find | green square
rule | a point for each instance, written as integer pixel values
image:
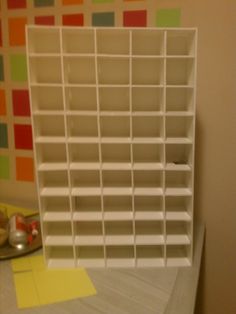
(103, 19)
(4, 167)
(18, 68)
(168, 18)
(43, 3)
(1, 69)
(3, 136)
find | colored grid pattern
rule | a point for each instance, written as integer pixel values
(15, 127)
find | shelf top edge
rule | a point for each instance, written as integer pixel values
(161, 29)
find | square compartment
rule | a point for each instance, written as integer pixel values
(39, 70)
(58, 233)
(150, 255)
(54, 179)
(83, 126)
(119, 233)
(117, 208)
(59, 256)
(115, 153)
(116, 178)
(148, 178)
(147, 71)
(51, 154)
(114, 99)
(87, 205)
(49, 125)
(178, 179)
(81, 98)
(148, 154)
(44, 40)
(83, 152)
(79, 70)
(90, 256)
(78, 41)
(120, 256)
(147, 99)
(47, 98)
(179, 99)
(88, 228)
(181, 43)
(148, 42)
(179, 156)
(179, 127)
(147, 126)
(180, 71)
(179, 208)
(115, 126)
(85, 178)
(113, 41)
(148, 207)
(178, 255)
(149, 232)
(55, 208)
(113, 70)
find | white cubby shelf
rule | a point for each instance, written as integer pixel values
(113, 116)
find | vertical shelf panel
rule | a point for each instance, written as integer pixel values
(113, 124)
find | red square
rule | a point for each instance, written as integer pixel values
(16, 4)
(23, 136)
(135, 18)
(44, 20)
(21, 104)
(73, 19)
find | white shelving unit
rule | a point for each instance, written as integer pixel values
(113, 115)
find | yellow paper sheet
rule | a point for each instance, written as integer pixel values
(26, 293)
(11, 209)
(36, 285)
(28, 263)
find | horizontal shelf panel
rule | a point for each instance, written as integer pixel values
(148, 191)
(116, 166)
(179, 113)
(174, 166)
(118, 215)
(148, 166)
(177, 239)
(89, 240)
(178, 140)
(150, 262)
(178, 262)
(48, 112)
(119, 240)
(84, 191)
(57, 216)
(62, 240)
(149, 239)
(50, 139)
(88, 216)
(147, 113)
(181, 216)
(57, 191)
(61, 262)
(178, 191)
(76, 139)
(84, 166)
(149, 215)
(47, 166)
(120, 262)
(117, 191)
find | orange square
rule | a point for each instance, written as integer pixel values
(16, 28)
(24, 169)
(3, 110)
(72, 2)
